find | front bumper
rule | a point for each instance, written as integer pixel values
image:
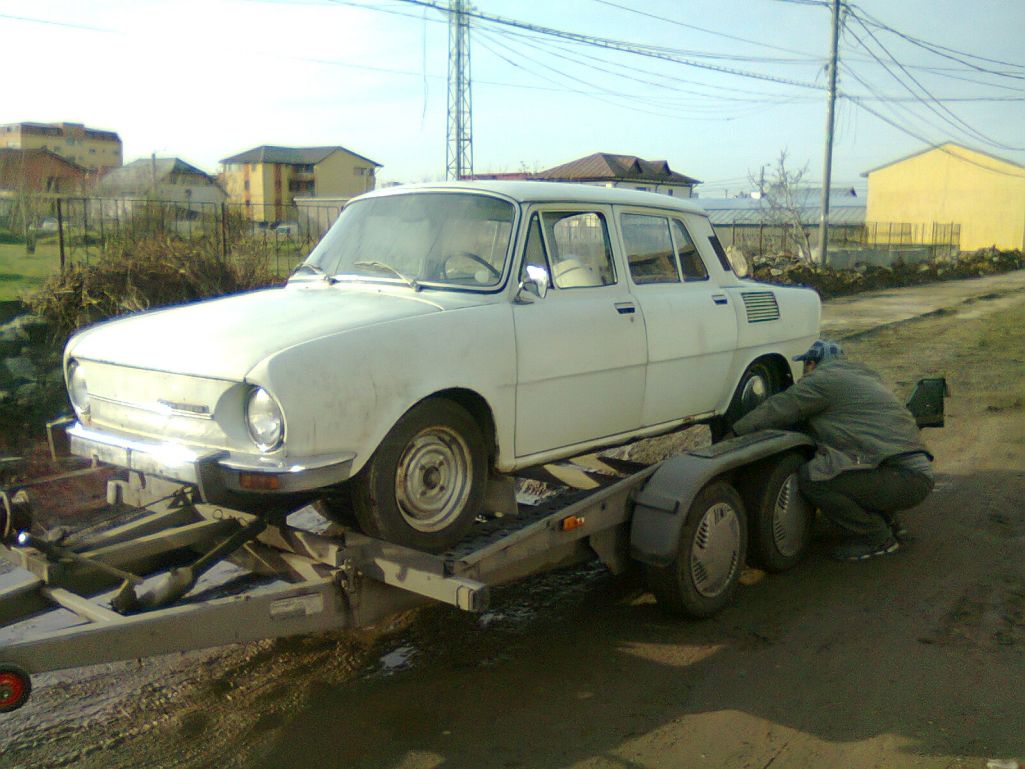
(212, 472)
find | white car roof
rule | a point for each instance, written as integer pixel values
(554, 192)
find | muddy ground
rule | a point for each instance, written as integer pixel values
(913, 660)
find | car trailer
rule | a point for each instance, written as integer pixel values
(131, 590)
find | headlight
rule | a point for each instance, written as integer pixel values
(77, 389)
(264, 420)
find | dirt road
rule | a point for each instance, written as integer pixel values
(913, 660)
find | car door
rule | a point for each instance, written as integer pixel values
(580, 350)
(691, 327)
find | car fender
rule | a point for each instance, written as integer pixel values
(344, 392)
(661, 505)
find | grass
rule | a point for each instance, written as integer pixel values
(21, 272)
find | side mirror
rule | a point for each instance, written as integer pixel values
(534, 286)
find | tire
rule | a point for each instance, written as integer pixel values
(703, 577)
(759, 381)
(425, 484)
(779, 517)
(15, 687)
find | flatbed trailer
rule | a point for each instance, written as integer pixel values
(131, 590)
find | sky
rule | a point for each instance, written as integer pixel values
(724, 88)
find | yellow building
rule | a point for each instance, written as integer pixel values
(267, 180)
(87, 147)
(952, 185)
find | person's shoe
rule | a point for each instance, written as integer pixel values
(900, 532)
(863, 549)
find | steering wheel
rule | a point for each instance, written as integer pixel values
(473, 258)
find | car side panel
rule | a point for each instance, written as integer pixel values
(400, 363)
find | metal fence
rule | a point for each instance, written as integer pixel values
(936, 240)
(80, 227)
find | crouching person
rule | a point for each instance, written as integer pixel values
(869, 462)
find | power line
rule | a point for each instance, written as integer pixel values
(701, 29)
(953, 117)
(654, 52)
(942, 50)
(923, 140)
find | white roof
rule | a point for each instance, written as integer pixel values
(554, 192)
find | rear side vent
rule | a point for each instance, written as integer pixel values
(761, 306)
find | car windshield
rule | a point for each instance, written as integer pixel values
(419, 238)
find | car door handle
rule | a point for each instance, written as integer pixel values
(720, 298)
(626, 308)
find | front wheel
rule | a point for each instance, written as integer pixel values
(425, 483)
(704, 575)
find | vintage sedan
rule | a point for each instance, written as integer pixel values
(439, 338)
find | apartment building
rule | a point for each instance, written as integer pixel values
(267, 180)
(89, 148)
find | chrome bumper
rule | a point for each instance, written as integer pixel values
(213, 472)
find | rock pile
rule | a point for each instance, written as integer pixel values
(31, 380)
(785, 270)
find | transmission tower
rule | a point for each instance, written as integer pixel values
(459, 150)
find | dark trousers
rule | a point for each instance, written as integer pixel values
(858, 501)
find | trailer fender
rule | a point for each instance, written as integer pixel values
(661, 505)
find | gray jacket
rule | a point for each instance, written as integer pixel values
(856, 421)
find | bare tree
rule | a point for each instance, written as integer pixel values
(782, 200)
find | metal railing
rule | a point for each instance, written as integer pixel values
(80, 227)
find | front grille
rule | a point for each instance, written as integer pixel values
(761, 306)
(163, 406)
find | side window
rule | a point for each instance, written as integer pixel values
(690, 260)
(649, 249)
(534, 253)
(579, 249)
(720, 252)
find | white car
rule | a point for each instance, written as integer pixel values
(438, 337)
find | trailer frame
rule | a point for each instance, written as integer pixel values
(341, 579)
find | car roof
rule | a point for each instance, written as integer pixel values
(553, 192)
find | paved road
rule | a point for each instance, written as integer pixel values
(851, 316)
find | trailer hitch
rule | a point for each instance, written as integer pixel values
(179, 581)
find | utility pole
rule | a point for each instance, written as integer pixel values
(459, 150)
(827, 171)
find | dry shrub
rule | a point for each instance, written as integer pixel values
(135, 274)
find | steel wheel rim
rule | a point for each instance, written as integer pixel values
(434, 478)
(789, 514)
(755, 392)
(715, 552)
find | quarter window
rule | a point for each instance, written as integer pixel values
(690, 260)
(579, 249)
(649, 249)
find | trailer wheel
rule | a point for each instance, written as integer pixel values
(703, 577)
(425, 483)
(15, 687)
(780, 518)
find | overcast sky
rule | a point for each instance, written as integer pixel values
(206, 79)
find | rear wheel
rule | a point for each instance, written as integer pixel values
(759, 381)
(425, 483)
(780, 518)
(703, 577)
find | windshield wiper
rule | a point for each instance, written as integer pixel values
(411, 282)
(316, 270)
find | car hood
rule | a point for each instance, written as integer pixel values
(224, 338)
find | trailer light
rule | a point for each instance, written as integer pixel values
(23, 538)
(259, 481)
(572, 522)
